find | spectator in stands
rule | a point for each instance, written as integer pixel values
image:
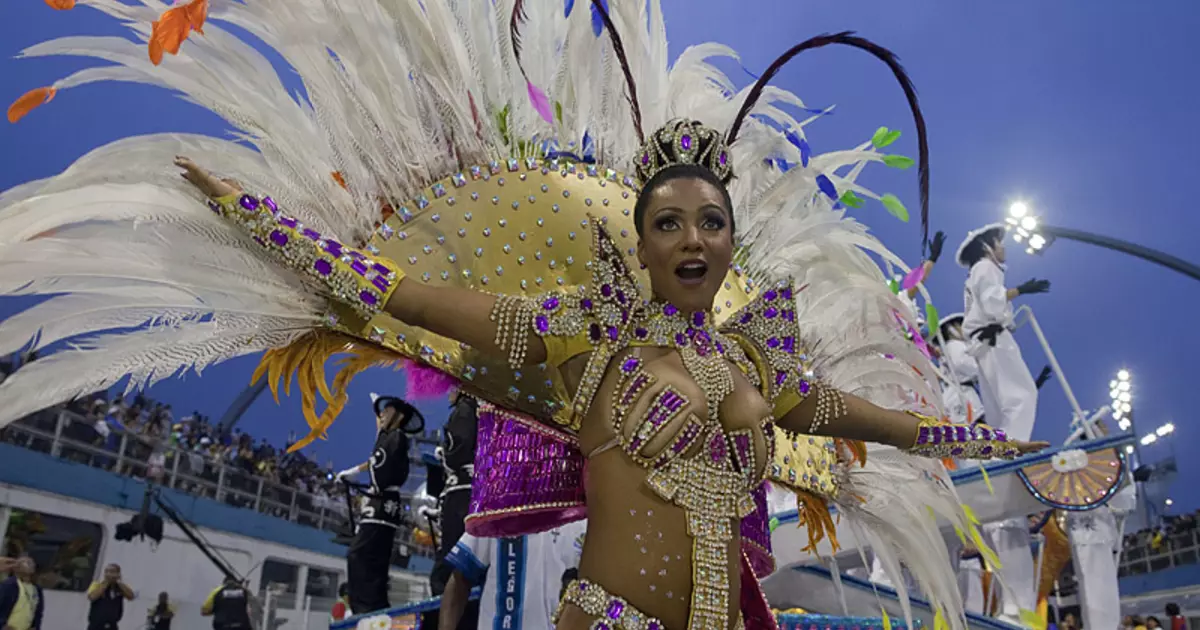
(108, 600)
(228, 605)
(159, 617)
(1178, 621)
(528, 575)
(341, 609)
(1138, 624)
(1152, 623)
(21, 602)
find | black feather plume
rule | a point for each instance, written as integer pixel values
(619, 49)
(848, 38)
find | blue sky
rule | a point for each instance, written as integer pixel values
(1085, 110)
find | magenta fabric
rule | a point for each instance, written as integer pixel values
(528, 476)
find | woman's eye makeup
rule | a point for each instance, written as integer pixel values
(667, 223)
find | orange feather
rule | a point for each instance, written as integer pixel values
(61, 5)
(30, 101)
(168, 33)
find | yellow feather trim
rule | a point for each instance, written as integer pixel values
(304, 360)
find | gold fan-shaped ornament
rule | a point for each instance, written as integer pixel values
(1075, 479)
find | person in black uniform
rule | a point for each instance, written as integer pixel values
(159, 617)
(108, 600)
(371, 550)
(228, 605)
(457, 452)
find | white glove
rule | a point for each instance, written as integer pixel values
(346, 474)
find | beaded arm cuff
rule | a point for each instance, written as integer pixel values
(359, 280)
(942, 439)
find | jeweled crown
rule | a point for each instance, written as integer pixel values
(684, 141)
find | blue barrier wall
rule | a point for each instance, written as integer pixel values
(39, 471)
(1166, 580)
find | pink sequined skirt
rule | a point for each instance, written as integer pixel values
(528, 476)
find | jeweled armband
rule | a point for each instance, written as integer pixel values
(942, 439)
(359, 280)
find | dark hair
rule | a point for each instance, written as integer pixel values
(977, 249)
(1173, 609)
(670, 174)
(344, 589)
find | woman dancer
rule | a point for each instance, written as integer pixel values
(681, 419)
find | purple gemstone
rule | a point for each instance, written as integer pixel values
(786, 293)
(550, 304)
(212, 205)
(381, 269)
(381, 283)
(279, 238)
(368, 298)
(653, 626)
(1000, 435)
(612, 333)
(258, 239)
(585, 304)
(789, 345)
(270, 204)
(780, 378)
(698, 318)
(600, 625)
(333, 247)
(630, 365)
(323, 267)
(957, 451)
(746, 317)
(641, 333)
(357, 266)
(620, 296)
(615, 608)
(543, 324)
(583, 586)
(789, 315)
(770, 295)
(805, 387)
(309, 234)
(606, 290)
(670, 310)
(645, 159)
(680, 339)
(686, 143)
(987, 450)
(960, 434)
(248, 202)
(771, 312)
(773, 342)
(723, 158)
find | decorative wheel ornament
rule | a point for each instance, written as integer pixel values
(1074, 479)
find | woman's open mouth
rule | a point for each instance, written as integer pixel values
(691, 272)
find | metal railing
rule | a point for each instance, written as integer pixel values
(65, 434)
(1175, 550)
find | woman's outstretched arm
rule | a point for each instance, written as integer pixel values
(368, 284)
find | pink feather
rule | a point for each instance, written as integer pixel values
(425, 382)
(540, 102)
(913, 278)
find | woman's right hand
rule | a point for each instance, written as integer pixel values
(205, 181)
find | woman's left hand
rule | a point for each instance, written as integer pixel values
(1026, 448)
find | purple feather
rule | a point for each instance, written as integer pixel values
(540, 102)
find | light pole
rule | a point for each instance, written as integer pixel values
(1121, 392)
(1029, 231)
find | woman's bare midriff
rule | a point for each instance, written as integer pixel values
(638, 547)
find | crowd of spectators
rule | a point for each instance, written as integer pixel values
(154, 438)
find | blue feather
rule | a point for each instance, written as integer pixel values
(827, 187)
(570, 6)
(597, 21)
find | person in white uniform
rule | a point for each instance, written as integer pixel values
(1007, 389)
(960, 372)
(522, 577)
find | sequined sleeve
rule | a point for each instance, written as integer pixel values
(353, 278)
